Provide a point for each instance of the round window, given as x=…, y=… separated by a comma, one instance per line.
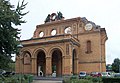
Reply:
x=41, y=34
x=68, y=30
x=53, y=32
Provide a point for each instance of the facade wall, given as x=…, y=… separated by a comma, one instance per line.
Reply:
x=92, y=59
x=89, y=67
x=65, y=42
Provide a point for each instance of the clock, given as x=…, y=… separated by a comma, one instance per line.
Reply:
x=88, y=26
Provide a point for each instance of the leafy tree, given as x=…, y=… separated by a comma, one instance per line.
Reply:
x=115, y=65
x=9, y=39
x=109, y=67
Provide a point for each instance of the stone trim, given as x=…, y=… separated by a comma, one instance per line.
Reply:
x=92, y=62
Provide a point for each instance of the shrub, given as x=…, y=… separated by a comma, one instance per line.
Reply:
x=77, y=81
x=73, y=77
x=96, y=79
x=17, y=79
x=111, y=80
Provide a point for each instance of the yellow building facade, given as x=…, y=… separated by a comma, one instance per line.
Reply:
x=65, y=47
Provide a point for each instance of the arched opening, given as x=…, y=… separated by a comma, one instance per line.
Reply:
x=26, y=61
x=57, y=63
x=41, y=63
x=88, y=47
x=74, y=64
x=27, y=58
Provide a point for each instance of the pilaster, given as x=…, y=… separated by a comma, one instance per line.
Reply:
x=34, y=65
x=48, y=66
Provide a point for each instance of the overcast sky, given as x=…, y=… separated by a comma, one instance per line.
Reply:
x=105, y=13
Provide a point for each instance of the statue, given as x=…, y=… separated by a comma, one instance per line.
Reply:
x=59, y=16
x=54, y=17
x=48, y=18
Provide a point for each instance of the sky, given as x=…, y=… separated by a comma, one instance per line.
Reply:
x=105, y=13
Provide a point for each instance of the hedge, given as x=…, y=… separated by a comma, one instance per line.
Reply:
x=111, y=80
x=16, y=79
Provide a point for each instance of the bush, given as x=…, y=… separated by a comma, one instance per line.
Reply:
x=74, y=77
x=111, y=80
x=87, y=79
x=96, y=79
x=77, y=81
x=17, y=79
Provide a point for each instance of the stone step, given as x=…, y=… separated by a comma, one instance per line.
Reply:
x=46, y=81
x=38, y=79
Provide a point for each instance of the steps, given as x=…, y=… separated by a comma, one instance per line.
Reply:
x=47, y=80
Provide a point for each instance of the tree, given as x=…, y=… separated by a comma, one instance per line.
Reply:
x=9, y=39
x=108, y=67
x=115, y=65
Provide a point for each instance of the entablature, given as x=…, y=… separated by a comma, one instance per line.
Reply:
x=51, y=40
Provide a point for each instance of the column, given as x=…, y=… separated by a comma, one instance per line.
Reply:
x=48, y=66
x=34, y=70
x=76, y=66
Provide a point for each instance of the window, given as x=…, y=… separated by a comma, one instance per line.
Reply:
x=88, y=46
x=53, y=32
x=27, y=58
x=41, y=34
x=67, y=30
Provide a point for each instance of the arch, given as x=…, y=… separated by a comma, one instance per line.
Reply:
x=88, y=46
x=24, y=50
x=56, y=55
x=26, y=61
x=35, y=52
x=53, y=48
x=41, y=63
x=27, y=58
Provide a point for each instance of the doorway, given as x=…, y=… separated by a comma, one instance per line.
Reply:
x=41, y=63
x=57, y=63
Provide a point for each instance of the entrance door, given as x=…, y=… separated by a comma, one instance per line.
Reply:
x=57, y=63
x=41, y=63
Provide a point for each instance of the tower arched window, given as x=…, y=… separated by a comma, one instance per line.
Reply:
x=88, y=47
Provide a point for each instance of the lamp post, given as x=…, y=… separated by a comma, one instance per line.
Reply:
x=20, y=46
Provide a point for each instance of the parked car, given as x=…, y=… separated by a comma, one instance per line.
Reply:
x=95, y=74
x=82, y=74
x=117, y=75
x=106, y=74
x=2, y=71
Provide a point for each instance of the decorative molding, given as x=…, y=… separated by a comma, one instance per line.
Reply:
x=67, y=49
x=91, y=62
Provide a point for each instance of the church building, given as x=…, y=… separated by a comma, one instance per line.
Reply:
x=64, y=47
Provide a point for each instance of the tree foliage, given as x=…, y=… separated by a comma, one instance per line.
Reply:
x=9, y=39
x=116, y=65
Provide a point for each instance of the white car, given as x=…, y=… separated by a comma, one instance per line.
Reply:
x=106, y=74
x=82, y=74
